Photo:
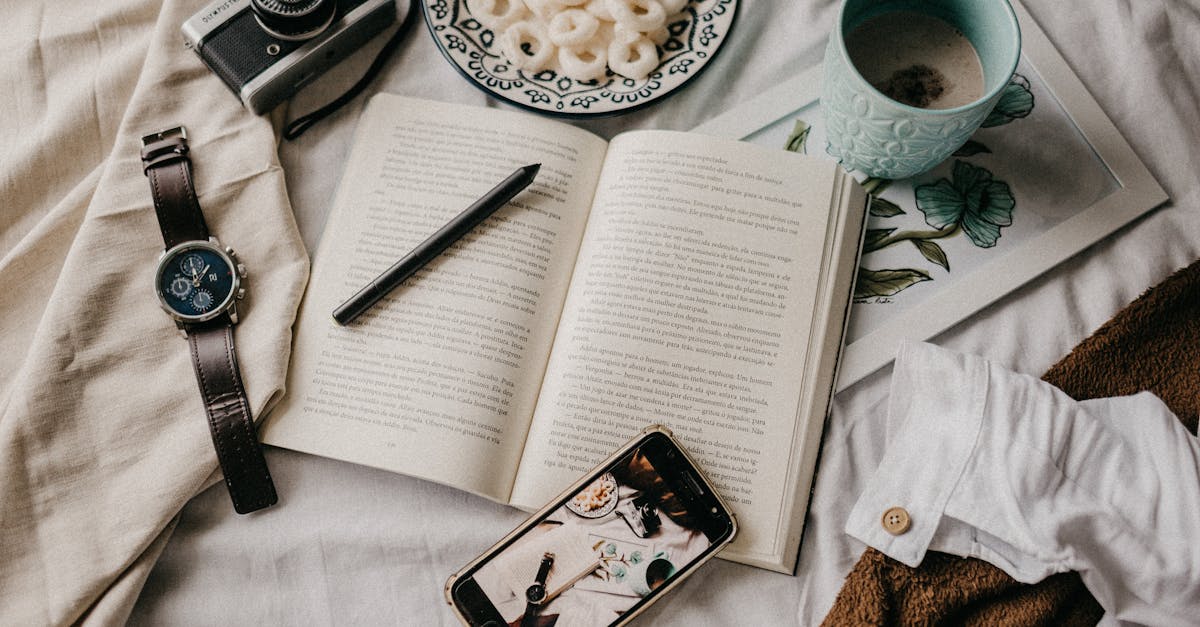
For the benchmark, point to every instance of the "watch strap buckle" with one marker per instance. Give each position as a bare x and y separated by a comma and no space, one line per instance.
163,147
174,131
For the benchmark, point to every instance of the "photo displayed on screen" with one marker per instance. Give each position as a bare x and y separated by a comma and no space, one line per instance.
591,560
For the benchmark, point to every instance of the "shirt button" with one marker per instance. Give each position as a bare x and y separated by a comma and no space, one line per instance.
896,521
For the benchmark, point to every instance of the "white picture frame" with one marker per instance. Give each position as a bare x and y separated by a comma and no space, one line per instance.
1138,192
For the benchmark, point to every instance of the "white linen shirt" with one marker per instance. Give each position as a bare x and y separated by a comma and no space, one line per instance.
987,463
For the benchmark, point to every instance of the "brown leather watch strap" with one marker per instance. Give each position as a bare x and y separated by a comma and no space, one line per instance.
165,162
229,420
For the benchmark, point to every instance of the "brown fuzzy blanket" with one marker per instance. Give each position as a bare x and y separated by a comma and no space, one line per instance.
1153,344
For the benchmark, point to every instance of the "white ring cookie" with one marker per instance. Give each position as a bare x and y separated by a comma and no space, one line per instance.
632,59
673,6
545,9
573,27
659,35
532,35
584,63
639,15
497,14
599,8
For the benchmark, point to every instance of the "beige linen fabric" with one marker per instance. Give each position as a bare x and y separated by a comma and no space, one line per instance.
102,434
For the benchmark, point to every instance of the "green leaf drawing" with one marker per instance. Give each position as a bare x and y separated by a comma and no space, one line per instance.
932,252
799,136
884,208
874,237
881,283
971,148
973,201
1016,101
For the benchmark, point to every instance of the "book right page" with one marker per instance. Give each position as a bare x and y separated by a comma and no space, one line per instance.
692,305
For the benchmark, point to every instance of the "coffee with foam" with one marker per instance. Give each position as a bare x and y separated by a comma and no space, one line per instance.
917,59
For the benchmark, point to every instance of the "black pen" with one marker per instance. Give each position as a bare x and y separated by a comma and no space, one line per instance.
429,249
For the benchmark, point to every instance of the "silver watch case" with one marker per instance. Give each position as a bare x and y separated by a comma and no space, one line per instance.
229,305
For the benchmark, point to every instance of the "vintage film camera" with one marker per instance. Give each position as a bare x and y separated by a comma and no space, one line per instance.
266,50
641,515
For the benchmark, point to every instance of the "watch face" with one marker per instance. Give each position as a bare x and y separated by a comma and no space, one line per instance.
535,593
196,281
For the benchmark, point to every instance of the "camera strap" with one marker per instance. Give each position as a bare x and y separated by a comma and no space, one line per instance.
297,127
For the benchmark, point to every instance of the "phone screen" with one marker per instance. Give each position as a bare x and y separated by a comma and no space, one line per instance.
644,520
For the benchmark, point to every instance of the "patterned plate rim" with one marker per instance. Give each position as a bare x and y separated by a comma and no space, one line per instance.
576,115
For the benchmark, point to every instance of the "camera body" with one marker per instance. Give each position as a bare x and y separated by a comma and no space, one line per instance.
264,67
641,515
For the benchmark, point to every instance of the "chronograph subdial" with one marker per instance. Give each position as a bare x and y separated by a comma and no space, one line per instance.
181,287
193,265
202,300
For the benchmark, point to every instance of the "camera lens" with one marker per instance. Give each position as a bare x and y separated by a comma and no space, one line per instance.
294,19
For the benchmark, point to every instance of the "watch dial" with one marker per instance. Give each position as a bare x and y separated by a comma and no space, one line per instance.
195,281
535,593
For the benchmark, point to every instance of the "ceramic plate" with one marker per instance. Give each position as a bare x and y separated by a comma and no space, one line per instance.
695,37
606,483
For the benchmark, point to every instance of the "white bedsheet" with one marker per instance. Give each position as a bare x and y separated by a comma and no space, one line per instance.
351,545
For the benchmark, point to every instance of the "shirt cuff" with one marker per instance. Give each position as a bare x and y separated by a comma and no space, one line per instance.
935,411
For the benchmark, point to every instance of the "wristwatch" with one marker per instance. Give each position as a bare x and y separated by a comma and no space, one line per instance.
535,594
199,284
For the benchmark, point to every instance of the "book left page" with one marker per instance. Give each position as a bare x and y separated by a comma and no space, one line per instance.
439,379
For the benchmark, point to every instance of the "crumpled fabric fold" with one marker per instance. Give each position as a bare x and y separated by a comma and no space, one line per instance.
103,437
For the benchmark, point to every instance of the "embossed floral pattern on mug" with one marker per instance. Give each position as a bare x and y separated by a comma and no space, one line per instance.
870,132
970,202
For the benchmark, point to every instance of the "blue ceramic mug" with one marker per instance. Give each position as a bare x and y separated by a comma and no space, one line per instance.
874,134
647,576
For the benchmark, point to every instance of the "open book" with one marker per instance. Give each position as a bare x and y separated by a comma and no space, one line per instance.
664,277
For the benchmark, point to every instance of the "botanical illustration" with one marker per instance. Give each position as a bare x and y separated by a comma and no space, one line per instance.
618,558
970,203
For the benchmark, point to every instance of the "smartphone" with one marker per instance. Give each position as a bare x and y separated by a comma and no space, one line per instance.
605,549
